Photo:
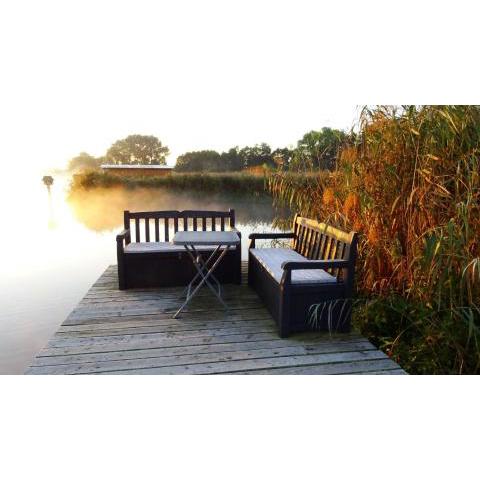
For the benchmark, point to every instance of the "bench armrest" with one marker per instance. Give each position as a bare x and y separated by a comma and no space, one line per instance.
123,235
315,264
268,236
288,267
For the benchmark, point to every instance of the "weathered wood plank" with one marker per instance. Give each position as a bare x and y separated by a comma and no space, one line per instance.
256,364
253,325
162,341
167,320
393,371
194,359
312,347
341,368
168,308
260,313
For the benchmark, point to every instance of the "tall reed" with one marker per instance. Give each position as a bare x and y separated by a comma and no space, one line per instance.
411,187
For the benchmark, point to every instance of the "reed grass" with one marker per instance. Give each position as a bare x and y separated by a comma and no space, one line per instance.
411,187
241,183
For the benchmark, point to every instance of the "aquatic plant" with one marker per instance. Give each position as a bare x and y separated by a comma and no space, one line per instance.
410,185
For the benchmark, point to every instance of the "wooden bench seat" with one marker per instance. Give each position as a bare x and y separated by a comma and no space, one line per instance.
147,258
318,270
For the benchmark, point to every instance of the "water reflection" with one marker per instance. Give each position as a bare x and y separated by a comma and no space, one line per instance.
74,241
101,210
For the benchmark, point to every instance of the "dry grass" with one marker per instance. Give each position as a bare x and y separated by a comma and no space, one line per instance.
411,186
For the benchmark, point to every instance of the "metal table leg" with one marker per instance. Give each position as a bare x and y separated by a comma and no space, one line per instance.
205,277
204,266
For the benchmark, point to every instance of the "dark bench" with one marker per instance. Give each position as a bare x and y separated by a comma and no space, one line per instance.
151,260
318,269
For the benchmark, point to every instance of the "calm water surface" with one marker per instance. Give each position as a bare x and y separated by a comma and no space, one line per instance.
54,247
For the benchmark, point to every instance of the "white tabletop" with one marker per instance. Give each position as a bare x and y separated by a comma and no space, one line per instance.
206,238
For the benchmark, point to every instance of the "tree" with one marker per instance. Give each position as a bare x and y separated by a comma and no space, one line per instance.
258,155
138,150
84,161
200,161
232,161
318,149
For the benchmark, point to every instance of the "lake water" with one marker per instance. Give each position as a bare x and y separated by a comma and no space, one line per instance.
54,247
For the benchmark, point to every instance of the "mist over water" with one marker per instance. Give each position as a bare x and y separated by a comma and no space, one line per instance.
55,245
102,210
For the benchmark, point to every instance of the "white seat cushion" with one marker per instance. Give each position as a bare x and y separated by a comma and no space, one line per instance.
272,259
152,247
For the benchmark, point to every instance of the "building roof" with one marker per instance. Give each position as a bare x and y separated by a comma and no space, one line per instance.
133,167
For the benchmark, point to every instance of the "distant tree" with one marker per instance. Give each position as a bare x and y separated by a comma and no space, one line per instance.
84,161
199,161
138,150
318,149
232,161
258,155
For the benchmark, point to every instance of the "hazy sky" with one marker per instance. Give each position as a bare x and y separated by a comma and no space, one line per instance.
78,75
196,74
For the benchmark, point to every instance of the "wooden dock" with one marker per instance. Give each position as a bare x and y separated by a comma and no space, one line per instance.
133,332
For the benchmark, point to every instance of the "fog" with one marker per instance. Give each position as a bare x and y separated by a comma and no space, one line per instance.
101,210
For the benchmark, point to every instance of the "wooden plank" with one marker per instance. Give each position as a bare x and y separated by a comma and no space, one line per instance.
342,368
192,308
255,324
154,298
240,366
166,319
70,341
260,313
179,360
313,347
161,342
394,371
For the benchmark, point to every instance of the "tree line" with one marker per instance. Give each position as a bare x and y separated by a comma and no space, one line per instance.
316,150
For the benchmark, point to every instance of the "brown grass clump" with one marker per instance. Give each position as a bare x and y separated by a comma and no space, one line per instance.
411,187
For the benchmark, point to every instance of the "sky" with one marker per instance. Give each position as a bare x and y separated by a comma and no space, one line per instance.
79,75
197,75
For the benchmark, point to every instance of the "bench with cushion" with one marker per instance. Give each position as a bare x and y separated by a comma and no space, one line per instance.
151,260
318,269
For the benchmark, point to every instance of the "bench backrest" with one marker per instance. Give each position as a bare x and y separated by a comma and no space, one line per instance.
319,241
160,226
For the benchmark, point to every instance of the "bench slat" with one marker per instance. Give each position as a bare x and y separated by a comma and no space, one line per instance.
147,229
137,229
157,230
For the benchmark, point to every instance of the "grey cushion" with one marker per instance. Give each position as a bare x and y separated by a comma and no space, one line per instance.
272,259
152,247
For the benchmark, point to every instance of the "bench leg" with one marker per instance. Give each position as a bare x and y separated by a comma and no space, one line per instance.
122,283
284,314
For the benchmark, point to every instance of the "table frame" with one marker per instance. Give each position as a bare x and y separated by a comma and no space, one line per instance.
205,271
